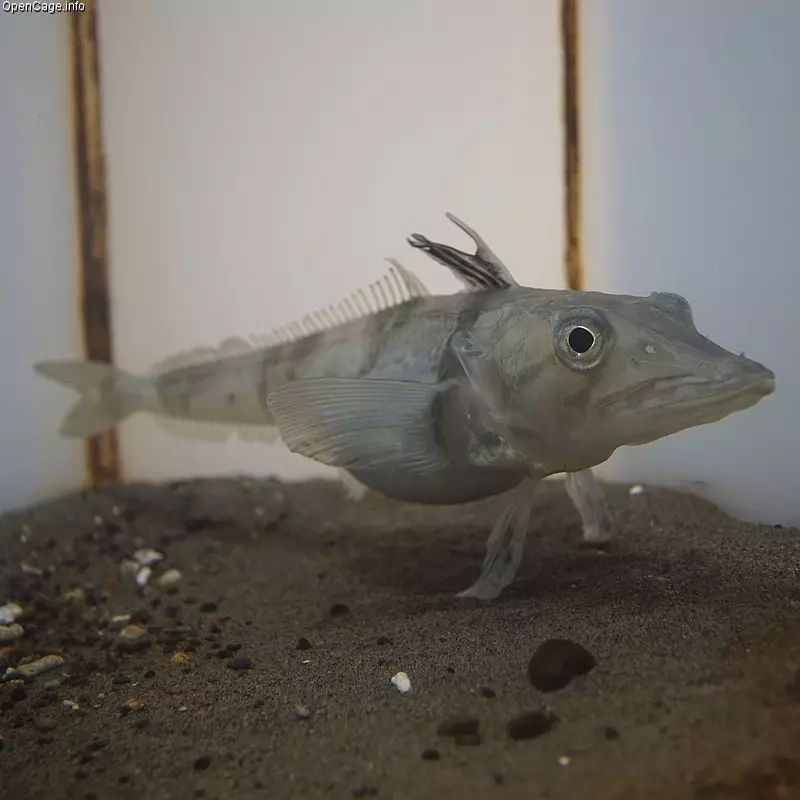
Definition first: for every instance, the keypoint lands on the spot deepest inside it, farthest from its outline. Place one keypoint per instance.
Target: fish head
(568, 377)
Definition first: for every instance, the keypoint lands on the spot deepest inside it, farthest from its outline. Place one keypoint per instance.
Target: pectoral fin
(359, 424)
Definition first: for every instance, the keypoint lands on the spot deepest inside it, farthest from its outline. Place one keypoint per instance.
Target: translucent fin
(355, 490)
(217, 431)
(359, 424)
(506, 544)
(483, 270)
(108, 395)
(589, 499)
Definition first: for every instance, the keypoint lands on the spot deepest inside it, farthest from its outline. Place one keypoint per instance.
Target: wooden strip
(102, 451)
(573, 255)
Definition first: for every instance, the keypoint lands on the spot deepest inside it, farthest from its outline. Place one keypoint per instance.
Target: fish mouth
(691, 392)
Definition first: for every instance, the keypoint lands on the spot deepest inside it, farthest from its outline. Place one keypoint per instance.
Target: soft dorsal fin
(397, 286)
(483, 270)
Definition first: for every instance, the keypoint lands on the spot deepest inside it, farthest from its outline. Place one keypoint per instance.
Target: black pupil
(581, 340)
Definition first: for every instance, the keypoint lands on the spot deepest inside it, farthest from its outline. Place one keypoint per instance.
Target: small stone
(204, 762)
(383, 640)
(610, 733)
(303, 643)
(488, 693)
(132, 638)
(556, 662)
(402, 682)
(10, 633)
(169, 578)
(143, 576)
(365, 791)
(301, 712)
(530, 725)
(121, 679)
(45, 724)
(459, 726)
(40, 666)
(119, 621)
(147, 556)
(209, 607)
(9, 613)
(431, 754)
(468, 739)
(179, 657)
(240, 661)
(337, 609)
(132, 704)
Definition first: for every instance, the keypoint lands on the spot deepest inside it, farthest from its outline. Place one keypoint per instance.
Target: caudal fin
(108, 395)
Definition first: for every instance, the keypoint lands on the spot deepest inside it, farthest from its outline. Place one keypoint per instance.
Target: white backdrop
(692, 124)
(38, 255)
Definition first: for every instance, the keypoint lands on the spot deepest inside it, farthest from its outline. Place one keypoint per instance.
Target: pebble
(143, 575)
(468, 739)
(10, 633)
(611, 733)
(530, 724)
(204, 762)
(365, 791)
(459, 726)
(146, 556)
(402, 682)
(240, 661)
(301, 712)
(338, 609)
(132, 704)
(180, 657)
(303, 643)
(119, 621)
(9, 613)
(40, 666)
(132, 638)
(431, 754)
(557, 662)
(169, 578)
(488, 692)
(45, 724)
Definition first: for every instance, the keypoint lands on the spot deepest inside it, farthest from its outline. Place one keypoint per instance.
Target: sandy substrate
(264, 671)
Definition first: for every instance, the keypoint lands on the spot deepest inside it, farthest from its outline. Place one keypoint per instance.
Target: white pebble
(169, 578)
(402, 682)
(146, 556)
(9, 613)
(564, 761)
(638, 489)
(143, 576)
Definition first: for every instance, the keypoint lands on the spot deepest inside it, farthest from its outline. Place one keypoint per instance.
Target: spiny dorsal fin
(481, 271)
(398, 285)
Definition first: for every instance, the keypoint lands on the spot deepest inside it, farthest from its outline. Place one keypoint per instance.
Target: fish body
(451, 398)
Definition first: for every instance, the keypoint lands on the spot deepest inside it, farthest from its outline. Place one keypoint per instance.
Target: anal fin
(359, 424)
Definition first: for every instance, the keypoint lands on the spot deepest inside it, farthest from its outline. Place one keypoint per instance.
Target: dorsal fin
(398, 285)
(481, 271)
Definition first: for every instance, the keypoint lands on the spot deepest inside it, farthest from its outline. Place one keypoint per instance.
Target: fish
(444, 399)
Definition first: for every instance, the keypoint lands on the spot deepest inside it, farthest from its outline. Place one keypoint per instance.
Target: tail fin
(108, 395)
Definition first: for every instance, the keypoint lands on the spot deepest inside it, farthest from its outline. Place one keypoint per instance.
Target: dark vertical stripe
(572, 154)
(102, 451)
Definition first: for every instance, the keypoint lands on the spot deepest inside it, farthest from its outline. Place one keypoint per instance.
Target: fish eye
(582, 339)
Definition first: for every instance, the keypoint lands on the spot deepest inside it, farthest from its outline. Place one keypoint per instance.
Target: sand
(265, 670)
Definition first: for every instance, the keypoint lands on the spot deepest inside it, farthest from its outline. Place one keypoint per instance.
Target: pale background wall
(38, 255)
(264, 159)
(692, 124)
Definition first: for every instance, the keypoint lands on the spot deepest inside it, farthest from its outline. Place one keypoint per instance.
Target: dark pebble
(339, 608)
(488, 693)
(121, 678)
(18, 693)
(233, 647)
(208, 608)
(530, 725)
(240, 661)
(611, 733)
(458, 726)
(468, 739)
(223, 653)
(303, 643)
(150, 673)
(45, 724)
(365, 791)
(204, 762)
(383, 640)
(556, 662)
(431, 754)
